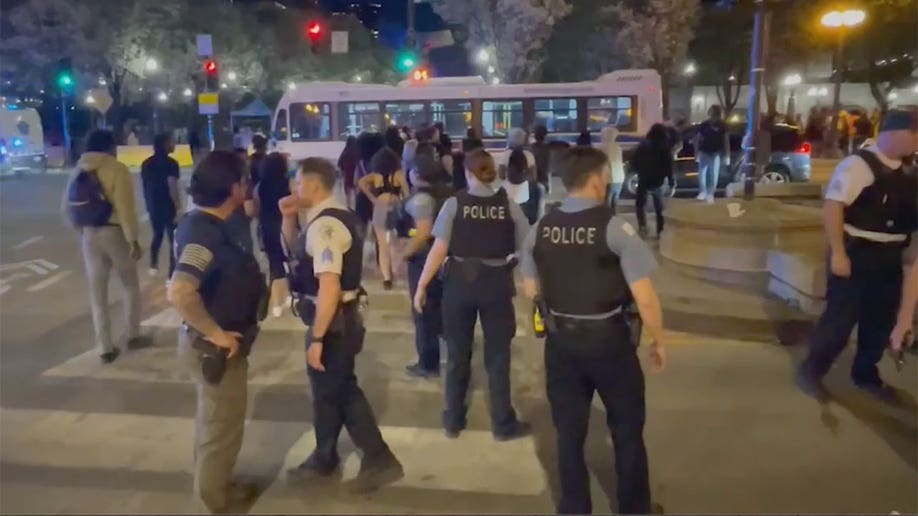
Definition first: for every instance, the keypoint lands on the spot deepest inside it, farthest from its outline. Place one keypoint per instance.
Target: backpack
(403, 223)
(86, 202)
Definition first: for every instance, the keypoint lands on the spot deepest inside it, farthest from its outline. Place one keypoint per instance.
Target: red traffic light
(210, 67)
(314, 30)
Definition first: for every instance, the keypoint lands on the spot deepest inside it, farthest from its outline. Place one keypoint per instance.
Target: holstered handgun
(213, 357)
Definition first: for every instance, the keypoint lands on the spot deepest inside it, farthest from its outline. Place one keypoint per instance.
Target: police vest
(235, 292)
(405, 223)
(889, 204)
(301, 275)
(579, 274)
(483, 227)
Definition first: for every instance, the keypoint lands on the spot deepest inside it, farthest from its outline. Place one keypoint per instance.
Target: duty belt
(347, 296)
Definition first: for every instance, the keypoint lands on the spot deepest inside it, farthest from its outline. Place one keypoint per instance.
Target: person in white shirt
(613, 151)
(870, 217)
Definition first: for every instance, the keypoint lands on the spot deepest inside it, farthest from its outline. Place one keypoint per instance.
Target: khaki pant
(104, 250)
(219, 425)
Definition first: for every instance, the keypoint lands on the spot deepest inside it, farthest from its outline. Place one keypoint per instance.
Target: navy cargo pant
(868, 299)
(428, 324)
(470, 292)
(577, 364)
(338, 402)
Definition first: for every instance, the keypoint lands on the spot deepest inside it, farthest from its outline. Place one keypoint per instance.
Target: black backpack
(86, 201)
(402, 221)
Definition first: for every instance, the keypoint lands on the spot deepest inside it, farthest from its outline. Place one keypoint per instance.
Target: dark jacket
(155, 172)
(652, 165)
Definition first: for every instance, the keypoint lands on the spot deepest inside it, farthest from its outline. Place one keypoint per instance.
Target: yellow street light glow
(847, 18)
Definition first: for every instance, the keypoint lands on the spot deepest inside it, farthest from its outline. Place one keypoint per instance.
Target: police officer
(326, 263)
(585, 265)
(432, 186)
(479, 230)
(869, 212)
(219, 291)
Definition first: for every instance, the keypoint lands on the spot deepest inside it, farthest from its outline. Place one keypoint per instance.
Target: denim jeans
(708, 172)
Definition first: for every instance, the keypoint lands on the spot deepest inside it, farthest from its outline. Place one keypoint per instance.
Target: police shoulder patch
(197, 256)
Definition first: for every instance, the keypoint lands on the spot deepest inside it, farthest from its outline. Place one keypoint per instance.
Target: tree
(887, 47)
(589, 25)
(657, 36)
(727, 71)
(514, 30)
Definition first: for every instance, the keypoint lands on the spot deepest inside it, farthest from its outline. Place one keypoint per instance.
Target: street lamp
(491, 69)
(90, 99)
(187, 92)
(152, 65)
(483, 56)
(358, 78)
(793, 79)
(162, 97)
(840, 21)
(231, 76)
(689, 70)
(291, 85)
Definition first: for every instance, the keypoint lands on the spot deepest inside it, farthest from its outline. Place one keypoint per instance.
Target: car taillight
(803, 148)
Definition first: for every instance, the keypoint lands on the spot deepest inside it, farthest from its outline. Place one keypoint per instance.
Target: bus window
(280, 126)
(456, 116)
(557, 115)
(400, 114)
(615, 111)
(357, 117)
(310, 121)
(499, 116)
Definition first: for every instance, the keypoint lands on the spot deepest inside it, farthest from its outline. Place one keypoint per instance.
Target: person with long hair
(347, 164)
(368, 144)
(384, 186)
(653, 163)
(273, 186)
(479, 230)
(394, 139)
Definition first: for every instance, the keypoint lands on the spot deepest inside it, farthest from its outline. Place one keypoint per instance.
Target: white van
(22, 141)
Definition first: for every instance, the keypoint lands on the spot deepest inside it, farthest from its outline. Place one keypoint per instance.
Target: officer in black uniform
(479, 230)
(220, 293)
(584, 265)
(431, 187)
(326, 262)
(869, 212)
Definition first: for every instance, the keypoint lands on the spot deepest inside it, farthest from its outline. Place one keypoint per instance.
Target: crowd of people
(854, 129)
(459, 220)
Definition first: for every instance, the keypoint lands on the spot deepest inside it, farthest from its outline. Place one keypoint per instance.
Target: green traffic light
(64, 81)
(406, 61)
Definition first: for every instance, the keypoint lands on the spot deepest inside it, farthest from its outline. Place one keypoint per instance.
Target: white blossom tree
(657, 36)
(515, 31)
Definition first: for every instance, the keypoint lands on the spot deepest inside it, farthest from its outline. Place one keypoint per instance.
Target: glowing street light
(793, 79)
(892, 96)
(495, 80)
(291, 85)
(152, 65)
(102, 81)
(491, 69)
(483, 56)
(224, 86)
(847, 18)
(689, 70)
(358, 78)
(232, 76)
(187, 92)
(162, 97)
(90, 99)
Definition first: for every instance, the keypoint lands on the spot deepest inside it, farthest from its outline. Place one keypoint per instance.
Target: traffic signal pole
(65, 129)
(753, 161)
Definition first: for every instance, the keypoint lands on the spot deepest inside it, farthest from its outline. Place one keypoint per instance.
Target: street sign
(339, 42)
(208, 103)
(102, 100)
(205, 45)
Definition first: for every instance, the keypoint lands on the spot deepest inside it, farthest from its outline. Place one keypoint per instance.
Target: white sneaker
(709, 199)
(701, 196)
(277, 311)
(153, 273)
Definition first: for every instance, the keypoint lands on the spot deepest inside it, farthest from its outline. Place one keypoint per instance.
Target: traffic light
(211, 81)
(406, 60)
(63, 76)
(420, 74)
(315, 32)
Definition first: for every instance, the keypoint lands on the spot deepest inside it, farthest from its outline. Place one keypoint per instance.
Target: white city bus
(315, 119)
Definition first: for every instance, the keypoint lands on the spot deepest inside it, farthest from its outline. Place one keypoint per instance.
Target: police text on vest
(569, 236)
(484, 212)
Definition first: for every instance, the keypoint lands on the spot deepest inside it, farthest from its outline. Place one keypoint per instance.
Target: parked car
(789, 161)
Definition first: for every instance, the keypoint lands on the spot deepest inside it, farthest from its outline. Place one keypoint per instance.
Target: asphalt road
(726, 431)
